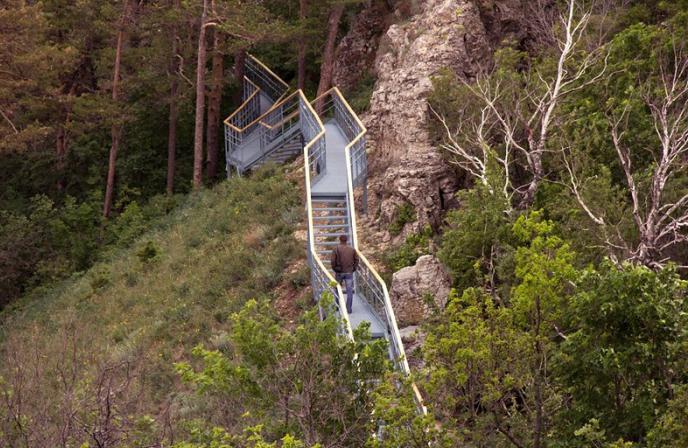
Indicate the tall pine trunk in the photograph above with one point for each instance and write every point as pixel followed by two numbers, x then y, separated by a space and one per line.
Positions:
pixel 200 100
pixel 174 111
pixel 239 71
pixel 327 67
pixel 214 101
pixel 303 12
pixel 116 130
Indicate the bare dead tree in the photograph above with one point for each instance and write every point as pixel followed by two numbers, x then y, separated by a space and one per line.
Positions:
pixel 660 215
pixel 515 123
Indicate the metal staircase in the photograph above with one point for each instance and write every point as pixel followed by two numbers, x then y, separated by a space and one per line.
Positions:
pixel 266 126
pixel 272 126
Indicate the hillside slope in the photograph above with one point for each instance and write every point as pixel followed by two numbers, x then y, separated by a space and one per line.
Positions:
pixel 98 349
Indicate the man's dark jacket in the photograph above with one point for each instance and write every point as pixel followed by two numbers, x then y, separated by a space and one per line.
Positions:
pixel 344 259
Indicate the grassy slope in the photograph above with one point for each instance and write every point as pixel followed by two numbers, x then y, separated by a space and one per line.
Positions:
pixel 132 317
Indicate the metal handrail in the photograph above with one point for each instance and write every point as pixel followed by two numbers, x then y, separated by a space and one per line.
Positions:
pixel 317 266
pixel 278 120
pixel 274 79
pixel 367 278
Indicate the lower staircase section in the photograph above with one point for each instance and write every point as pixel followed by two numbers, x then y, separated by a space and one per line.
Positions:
pixel 273 127
pixel 332 219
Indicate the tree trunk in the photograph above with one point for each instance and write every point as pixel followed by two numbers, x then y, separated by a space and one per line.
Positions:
pixel 540 361
pixel 116 130
pixel 200 101
pixel 61 150
pixel 239 72
pixel 327 66
pixel 174 91
pixel 303 12
pixel 214 101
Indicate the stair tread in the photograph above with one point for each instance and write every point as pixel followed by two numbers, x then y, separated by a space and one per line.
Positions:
pixel 330 217
pixel 330 226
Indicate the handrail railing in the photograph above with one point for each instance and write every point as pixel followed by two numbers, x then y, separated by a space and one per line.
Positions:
pixel 269 129
pixel 370 285
pixel 321 279
pixel 262 79
pixel 239 126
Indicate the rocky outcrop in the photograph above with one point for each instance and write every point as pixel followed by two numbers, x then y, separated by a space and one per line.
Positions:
pixel 519 21
pixel 417 290
pixel 406 168
pixel 355 55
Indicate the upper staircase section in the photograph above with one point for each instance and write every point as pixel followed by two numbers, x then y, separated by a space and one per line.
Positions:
pixel 267 117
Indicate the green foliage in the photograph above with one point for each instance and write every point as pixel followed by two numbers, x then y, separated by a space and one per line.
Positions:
pixel 670 429
pixel 625 355
pixel 404 214
pixel 49 242
pixel 148 252
pixel 310 369
pixel 127 320
pixel 483 356
pixel 397 410
pixel 415 245
pixel 477 245
pixel 360 95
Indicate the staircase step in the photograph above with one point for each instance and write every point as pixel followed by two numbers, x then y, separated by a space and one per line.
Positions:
pixel 329 209
pixel 328 199
pixel 331 234
pixel 330 226
pixel 331 217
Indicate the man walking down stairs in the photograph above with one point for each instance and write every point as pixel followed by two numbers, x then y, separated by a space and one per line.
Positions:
pixel 344 263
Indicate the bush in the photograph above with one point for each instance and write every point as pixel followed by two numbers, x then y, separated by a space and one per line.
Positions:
pixel 404 214
pixel 416 245
pixel 478 241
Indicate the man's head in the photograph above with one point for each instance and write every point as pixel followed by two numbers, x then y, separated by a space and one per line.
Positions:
pixel 343 239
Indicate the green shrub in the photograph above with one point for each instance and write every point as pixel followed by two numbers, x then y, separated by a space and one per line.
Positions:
pixel 403 215
pixel 359 96
pixel 478 241
pixel 416 244
pixel 148 252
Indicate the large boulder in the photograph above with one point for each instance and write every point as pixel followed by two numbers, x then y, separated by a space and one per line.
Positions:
pixel 417 289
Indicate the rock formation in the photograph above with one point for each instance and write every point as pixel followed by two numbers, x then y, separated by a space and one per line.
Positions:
pixel 356 51
pixel 416 290
pixel 406 168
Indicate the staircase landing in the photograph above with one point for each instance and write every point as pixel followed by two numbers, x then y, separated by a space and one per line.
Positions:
pixel 361 312
pixel 334 179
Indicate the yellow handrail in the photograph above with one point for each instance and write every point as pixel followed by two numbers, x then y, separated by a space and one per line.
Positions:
pixel 267 69
pixel 277 103
pixel 309 206
pixel 388 304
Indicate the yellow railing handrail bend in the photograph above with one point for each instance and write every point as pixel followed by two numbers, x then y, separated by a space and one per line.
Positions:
pixel 267 69
pixel 276 104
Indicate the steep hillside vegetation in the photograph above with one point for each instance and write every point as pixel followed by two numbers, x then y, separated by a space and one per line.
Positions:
pixel 96 353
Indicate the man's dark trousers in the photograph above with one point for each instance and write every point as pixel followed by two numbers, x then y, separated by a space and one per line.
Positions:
pixel 348 280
